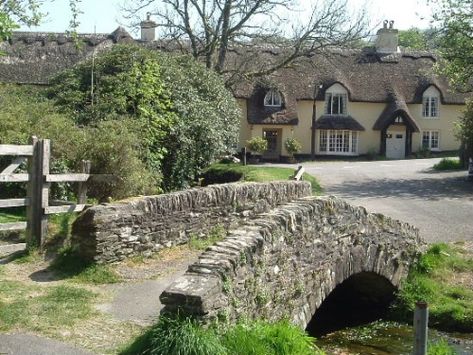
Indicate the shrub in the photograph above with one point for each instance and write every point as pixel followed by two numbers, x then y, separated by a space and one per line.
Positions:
pixel 448 164
pixel 183 336
pixel 440 348
pixel 257 145
pixel 186 115
pixel 292 146
pixel 263 338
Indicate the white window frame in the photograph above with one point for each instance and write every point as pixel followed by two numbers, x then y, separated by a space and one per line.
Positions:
pixel 273 98
pixel 338 142
pixel 432 136
pixel 431 103
pixel 341 100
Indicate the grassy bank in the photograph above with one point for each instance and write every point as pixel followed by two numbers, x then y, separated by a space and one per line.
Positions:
pixel 223 173
pixel 442 278
pixel 184 336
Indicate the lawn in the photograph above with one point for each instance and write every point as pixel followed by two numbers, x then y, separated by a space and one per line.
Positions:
pixel 222 173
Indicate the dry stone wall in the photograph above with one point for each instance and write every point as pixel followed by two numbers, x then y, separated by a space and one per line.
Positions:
pixel 112 232
pixel 285 263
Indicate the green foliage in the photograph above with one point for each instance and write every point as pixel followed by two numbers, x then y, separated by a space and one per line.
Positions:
pixel 292 146
pixel 223 173
pixel 257 145
pixel 440 347
pixel 186 117
pixel 448 164
pixel 111 146
pixel 183 336
pixel 454 18
pixel 263 338
pixel 68 264
pixel 450 305
pixel 415 38
pixel 464 129
pixel 216 234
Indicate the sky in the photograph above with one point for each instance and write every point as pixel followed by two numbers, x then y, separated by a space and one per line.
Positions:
pixel 105 15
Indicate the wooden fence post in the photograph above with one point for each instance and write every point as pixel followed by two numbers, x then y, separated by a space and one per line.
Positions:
pixel 38 193
pixel 32 210
pixel 421 321
pixel 82 190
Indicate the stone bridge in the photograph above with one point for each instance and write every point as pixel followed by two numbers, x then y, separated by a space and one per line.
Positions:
pixel 285 251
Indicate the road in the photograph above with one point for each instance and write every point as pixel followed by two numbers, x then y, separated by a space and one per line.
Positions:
pixel 440 204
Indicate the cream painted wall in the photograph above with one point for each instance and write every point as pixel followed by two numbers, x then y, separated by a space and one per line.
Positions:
pixel 366 114
pixel 445 124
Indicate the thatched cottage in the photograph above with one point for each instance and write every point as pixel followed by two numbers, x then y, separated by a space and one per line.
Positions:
pixel 341 102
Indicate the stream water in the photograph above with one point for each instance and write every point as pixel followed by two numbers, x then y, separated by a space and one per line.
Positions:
pixel 382 338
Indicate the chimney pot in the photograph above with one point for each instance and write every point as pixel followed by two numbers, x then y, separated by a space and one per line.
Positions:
pixel 387 39
pixel 148 29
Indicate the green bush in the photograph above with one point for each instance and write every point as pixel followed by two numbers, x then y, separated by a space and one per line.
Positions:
pixel 440 348
pixel 186 115
pixel 263 338
pixel 448 164
pixel 292 146
pixel 257 145
pixel 183 336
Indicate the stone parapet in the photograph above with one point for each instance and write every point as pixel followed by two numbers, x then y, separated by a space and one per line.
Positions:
pixel 286 262
pixel 115 231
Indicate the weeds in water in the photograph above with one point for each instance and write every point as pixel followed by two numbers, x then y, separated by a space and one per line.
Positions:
pixel 450 304
pixel 440 348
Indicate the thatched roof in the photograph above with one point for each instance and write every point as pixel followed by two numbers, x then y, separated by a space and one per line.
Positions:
pixel 338 122
pixel 33 58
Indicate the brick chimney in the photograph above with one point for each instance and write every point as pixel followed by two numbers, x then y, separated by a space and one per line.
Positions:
pixel 148 27
pixel 387 39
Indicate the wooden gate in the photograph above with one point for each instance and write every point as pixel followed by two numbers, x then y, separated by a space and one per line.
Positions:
pixel 38 179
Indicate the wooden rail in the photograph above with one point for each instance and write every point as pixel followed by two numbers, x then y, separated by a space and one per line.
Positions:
pixel 37 157
pixel 299 173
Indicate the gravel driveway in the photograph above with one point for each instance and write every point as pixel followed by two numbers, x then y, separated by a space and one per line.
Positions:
pixel 440 204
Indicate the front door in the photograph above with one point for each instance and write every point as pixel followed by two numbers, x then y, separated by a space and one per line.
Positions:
pixel 273 137
pixel 395 144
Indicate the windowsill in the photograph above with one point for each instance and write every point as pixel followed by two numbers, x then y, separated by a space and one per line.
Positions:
pixel 431 117
pixel 337 153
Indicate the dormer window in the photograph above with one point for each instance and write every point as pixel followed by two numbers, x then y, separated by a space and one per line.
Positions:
pixel 336 100
pixel 273 99
pixel 430 103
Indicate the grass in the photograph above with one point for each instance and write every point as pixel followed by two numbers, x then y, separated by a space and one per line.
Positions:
pixel 221 173
pixel 42 309
pixel 432 280
pixel 215 235
pixel 448 164
pixel 440 348
pixel 68 264
pixel 185 336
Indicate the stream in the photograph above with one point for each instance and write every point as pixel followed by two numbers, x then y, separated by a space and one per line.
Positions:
pixel 382 338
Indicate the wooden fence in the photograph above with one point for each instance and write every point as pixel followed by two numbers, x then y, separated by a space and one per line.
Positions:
pixel 38 179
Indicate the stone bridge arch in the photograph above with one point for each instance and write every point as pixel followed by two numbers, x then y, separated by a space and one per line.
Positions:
pixel 285 263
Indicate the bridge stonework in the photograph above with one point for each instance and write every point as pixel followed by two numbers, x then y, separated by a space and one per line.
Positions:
pixel 287 261
pixel 144 225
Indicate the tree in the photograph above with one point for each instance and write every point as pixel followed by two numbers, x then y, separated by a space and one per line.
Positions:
pixel 454 18
pixel 416 38
pixel 215 30
pixel 186 116
pixel 14 13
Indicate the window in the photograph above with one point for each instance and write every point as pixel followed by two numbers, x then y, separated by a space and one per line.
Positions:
pixel 430 140
pixel 338 142
pixel 430 107
pixel 335 104
pixel 273 99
